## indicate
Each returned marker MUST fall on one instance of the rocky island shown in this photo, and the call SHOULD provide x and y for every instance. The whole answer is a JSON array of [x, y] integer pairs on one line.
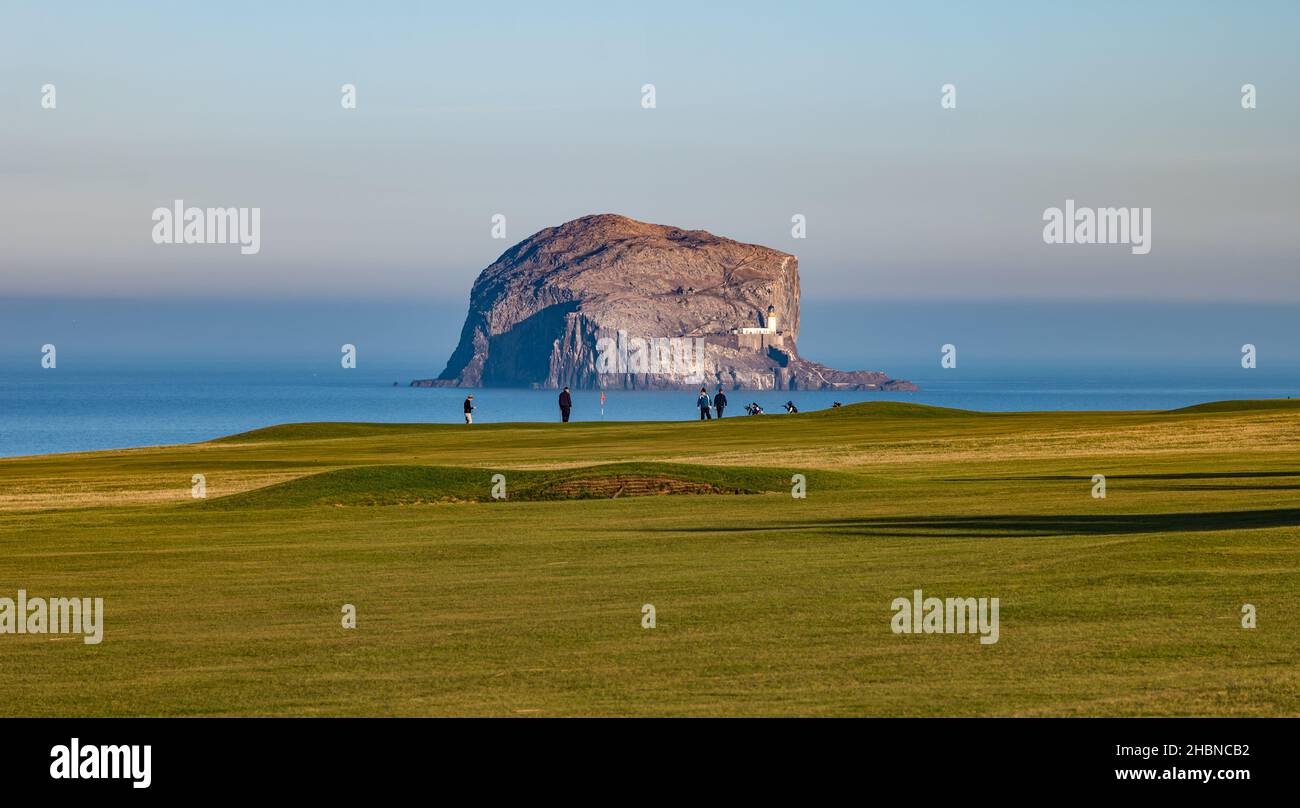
[[607, 301]]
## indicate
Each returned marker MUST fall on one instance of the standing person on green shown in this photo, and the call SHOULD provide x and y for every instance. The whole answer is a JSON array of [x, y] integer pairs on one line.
[[566, 404], [703, 403]]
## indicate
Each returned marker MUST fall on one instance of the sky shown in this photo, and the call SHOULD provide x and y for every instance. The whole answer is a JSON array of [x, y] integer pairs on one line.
[[534, 111]]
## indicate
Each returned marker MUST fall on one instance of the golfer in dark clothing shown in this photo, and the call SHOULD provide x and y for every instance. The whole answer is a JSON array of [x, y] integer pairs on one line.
[[703, 403], [566, 404], [720, 402], [469, 409]]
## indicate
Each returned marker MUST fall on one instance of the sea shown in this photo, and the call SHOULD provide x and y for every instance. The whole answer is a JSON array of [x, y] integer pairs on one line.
[[120, 404]]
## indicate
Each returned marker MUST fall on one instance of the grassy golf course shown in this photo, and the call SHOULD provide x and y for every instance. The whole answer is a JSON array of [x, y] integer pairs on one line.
[[765, 604]]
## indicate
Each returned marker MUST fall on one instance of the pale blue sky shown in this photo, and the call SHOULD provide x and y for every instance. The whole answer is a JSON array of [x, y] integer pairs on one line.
[[764, 110]]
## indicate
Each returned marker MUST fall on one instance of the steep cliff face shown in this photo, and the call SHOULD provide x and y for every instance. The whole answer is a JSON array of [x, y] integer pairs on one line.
[[609, 301]]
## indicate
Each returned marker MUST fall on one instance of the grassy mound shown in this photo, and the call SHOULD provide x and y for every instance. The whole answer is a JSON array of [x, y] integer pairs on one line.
[[1251, 405], [896, 409], [418, 484], [319, 430], [330, 430]]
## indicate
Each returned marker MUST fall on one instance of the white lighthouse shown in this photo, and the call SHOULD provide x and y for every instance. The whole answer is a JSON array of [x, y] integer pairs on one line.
[[761, 338], [769, 324]]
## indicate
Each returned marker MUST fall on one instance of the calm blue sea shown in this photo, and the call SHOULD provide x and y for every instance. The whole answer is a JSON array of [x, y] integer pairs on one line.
[[116, 405]]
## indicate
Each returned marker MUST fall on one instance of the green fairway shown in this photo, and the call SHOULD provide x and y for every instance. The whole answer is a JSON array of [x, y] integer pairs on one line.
[[765, 603]]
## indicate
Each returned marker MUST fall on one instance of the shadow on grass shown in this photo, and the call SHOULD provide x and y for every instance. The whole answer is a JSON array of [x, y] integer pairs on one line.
[[1227, 476], [1028, 526], [1222, 475]]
